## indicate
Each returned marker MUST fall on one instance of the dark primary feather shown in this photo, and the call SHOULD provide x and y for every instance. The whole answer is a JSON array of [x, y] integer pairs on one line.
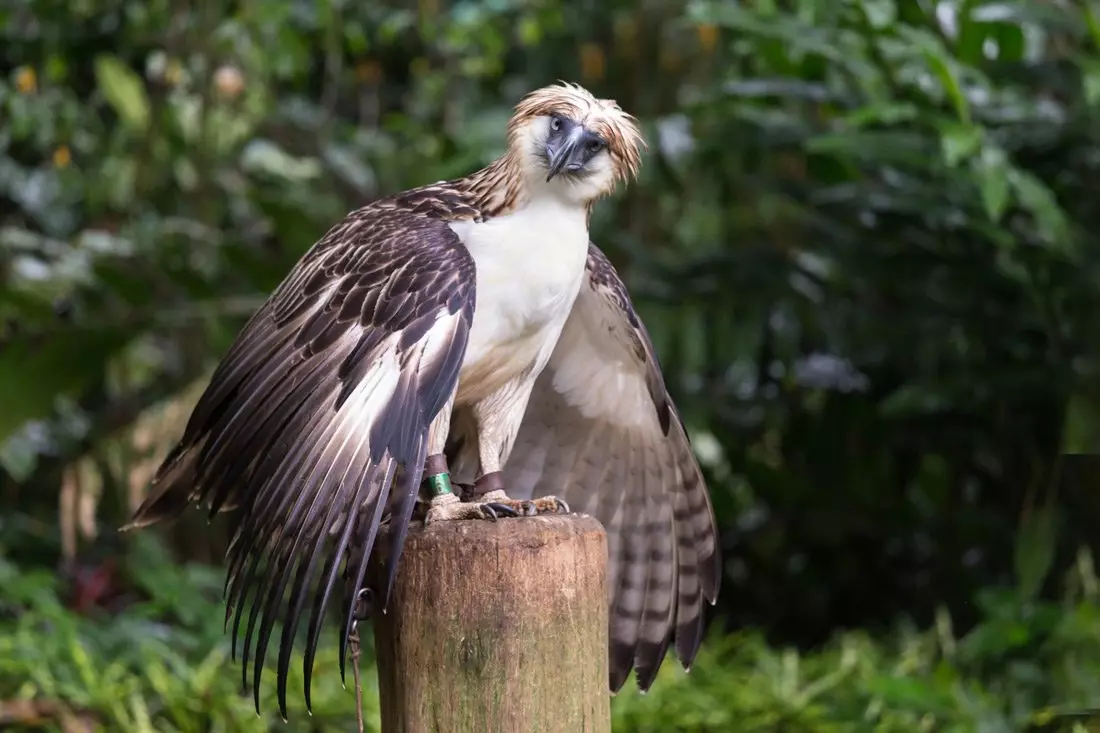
[[601, 432], [326, 393]]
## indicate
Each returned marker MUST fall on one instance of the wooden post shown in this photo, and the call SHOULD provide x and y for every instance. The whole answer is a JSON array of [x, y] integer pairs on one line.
[[497, 627]]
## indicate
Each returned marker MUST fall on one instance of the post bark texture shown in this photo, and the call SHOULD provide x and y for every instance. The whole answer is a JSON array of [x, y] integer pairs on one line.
[[497, 627]]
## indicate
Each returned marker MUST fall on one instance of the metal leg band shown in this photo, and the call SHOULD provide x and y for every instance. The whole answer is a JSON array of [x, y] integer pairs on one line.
[[438, 477], [439, 484]]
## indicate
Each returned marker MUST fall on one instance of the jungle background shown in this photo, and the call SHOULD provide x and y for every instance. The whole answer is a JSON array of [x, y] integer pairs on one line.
[[863, 242]]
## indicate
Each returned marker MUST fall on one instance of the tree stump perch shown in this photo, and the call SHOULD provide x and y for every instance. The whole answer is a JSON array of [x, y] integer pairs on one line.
[[497, 627]]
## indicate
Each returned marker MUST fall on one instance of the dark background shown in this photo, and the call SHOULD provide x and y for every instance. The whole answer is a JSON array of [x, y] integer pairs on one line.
[[863, 243]]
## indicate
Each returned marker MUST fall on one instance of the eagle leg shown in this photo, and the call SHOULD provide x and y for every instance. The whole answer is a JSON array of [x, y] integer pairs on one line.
[[488, 491], [524, 507], [491, 488], [449, 508], [444, 504], [485, 499]]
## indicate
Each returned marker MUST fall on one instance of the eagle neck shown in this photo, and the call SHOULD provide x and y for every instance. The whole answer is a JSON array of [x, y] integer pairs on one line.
[[498, 188]]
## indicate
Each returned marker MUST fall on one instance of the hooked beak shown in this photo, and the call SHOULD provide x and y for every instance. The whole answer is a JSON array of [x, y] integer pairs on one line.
[[570, 153]]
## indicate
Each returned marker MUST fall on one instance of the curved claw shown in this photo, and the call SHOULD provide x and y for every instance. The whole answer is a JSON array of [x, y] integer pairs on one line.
[[364, 602], [495, 510], [549, 505]]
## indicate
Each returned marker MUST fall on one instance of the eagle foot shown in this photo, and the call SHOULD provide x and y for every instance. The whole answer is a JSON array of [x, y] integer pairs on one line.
[[488, 491], [550, 505], [492, 506], [525, 507], [457, 510], [506, 508]]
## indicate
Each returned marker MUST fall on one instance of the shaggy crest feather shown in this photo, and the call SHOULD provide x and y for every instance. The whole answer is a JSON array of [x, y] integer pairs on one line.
[[604, 116]]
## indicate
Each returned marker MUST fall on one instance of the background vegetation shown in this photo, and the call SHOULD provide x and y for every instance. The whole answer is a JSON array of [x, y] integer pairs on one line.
[[863, 242]]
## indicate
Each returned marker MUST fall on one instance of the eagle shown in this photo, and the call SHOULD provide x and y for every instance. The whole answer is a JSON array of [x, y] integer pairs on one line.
[[463, 351]]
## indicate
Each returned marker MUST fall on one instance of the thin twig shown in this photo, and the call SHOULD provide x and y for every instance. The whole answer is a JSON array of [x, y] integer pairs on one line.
[[353, 639]]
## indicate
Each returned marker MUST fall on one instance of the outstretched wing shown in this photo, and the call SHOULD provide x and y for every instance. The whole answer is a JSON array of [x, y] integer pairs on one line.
[[321, 405], [601, 432]]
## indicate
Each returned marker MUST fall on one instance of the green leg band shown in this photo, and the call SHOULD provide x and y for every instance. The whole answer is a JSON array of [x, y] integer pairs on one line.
[[439, 484]]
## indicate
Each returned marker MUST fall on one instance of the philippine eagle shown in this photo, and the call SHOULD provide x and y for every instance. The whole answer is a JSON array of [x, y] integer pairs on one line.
[[466, 333]]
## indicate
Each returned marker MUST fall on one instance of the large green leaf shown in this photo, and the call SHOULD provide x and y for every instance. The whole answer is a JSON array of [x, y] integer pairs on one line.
[[34, 371]]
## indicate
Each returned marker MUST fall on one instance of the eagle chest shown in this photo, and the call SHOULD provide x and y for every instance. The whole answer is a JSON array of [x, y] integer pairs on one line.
[[530, 265]]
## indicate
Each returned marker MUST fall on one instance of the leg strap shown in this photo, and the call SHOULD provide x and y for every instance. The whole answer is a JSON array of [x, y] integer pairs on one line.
[[489, 482]]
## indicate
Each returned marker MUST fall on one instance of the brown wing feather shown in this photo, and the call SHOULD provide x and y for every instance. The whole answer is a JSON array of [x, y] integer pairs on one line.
[[601, 431], [325, 396]]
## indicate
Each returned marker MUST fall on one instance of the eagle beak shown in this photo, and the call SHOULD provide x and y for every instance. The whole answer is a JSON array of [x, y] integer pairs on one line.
[[570, 153]]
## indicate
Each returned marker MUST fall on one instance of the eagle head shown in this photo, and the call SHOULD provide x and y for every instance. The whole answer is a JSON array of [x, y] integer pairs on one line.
[[567, 139]]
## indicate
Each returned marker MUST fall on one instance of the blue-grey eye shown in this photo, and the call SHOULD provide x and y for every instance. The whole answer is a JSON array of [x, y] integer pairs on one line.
[[555, 123]]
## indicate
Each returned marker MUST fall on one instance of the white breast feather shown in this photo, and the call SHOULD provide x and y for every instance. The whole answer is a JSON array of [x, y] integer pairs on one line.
[[530, 265]]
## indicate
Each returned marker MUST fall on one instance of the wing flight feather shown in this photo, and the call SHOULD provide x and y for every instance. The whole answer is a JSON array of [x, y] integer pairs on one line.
[[315, 422], [601, 432]]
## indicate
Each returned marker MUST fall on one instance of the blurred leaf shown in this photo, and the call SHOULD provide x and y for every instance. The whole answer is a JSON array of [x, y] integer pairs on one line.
[[124, 91], [881, 14], [18, 457], [264, 156], [959, 141], [992, 175], [1081, 429], [32, 375], [913, 399], [1038, 199], [910, 693], [1090, 79], [1092, 22], [1035, 547], [944, 68]]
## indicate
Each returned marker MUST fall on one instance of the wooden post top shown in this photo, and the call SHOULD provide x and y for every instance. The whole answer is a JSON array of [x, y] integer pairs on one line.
[[497, 627], [522, 532]]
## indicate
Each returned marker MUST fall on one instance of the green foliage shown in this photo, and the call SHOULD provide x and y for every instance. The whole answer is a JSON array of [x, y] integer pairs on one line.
[[888, 353], [163, 664]]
